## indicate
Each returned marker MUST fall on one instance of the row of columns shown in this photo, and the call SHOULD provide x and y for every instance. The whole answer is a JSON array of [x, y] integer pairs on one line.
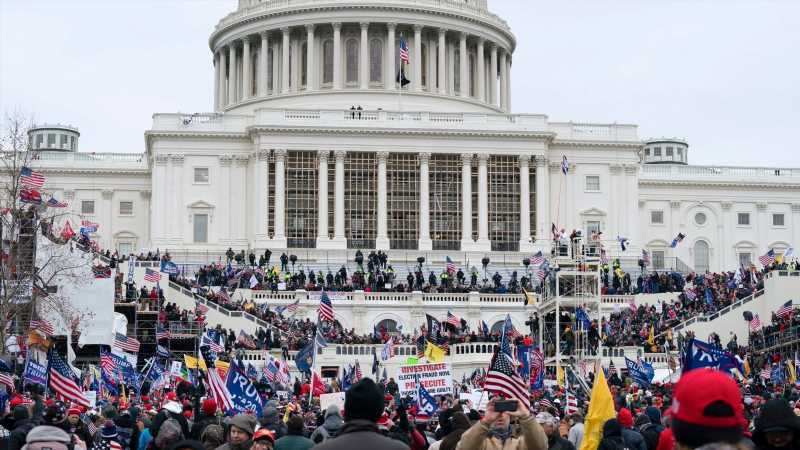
[[339, 240], [233, 83]]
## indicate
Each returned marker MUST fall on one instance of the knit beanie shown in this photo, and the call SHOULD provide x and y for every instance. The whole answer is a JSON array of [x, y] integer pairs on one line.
[[364, 400], [209, 406], [625, 418]]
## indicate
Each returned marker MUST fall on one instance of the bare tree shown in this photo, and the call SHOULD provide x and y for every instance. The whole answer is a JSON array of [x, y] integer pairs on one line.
[[36, 258]]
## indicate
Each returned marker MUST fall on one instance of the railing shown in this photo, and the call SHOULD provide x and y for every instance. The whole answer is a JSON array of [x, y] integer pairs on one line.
[[594, 132], [781, 273], [721, 173], [716, 314], [618, 299], [185, 329], [216, 307]]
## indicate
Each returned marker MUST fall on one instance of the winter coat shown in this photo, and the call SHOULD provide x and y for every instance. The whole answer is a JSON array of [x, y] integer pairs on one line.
[[556, 442], [477, 438], [18, 434], [201, 423], [330, 428], [776, 415], [293, 442], [633, 440], [272, 421], [357, 434]]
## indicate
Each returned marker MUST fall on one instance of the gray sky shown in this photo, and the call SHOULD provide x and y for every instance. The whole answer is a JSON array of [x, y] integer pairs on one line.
[[723, 74]]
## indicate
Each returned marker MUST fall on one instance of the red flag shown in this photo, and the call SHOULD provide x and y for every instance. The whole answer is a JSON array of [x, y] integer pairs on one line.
[[317, 386], [67, 232]]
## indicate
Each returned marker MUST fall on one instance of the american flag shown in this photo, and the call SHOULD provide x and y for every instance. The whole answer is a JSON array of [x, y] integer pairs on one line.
[[162, 332], [270, 371], [755, 324], [89, 224], [201, 308], [645, 257], [509, 330], [503, 379], [219, 391], [152, 276], [114, 445], [107, 363], [537, 364], [603, 256], [7, 379], [126, 343], [785, 310], [690, 293], [292, 308], [404, 51], [453, 320], [325, 308], [212, 343], [537, 259], [451, 266], [63, 382], [766, 373], [358, 374], [32, 178], [564, 165], [572, 404], [90, 426], [42, 326], [611, 369], [545, 403], [245, 340], [767, 258], [388, 350], [30, 196], [53, 203]]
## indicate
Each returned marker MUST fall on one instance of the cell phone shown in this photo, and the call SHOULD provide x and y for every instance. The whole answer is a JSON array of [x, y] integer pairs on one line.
[[506, 405]]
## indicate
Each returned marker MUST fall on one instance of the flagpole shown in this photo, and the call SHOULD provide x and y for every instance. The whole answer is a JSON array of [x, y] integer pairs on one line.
[[313, 363]]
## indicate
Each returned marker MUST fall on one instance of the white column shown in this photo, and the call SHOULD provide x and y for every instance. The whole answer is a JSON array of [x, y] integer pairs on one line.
[[481, 71], [261, 198], [391, 76], [508, 84], [363, 63], [503, 81], [263, 89], [222, 228], [338, 226], [247, 83], [337, 55], [285, 60], [425, 242], [483, 198], [223, 79], [382, 238], [159, 197], [417, 77], [525, 244], [240, 197], [322, 200], [466, 201], [215, 62], [311, 60], [280, 195], [232, 74], [542, 203], [795, 208], [442, 64], [177, 195], [493, 76], [464, 63]]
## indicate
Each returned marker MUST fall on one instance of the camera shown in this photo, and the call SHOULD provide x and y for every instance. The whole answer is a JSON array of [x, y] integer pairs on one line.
[[506, 405]]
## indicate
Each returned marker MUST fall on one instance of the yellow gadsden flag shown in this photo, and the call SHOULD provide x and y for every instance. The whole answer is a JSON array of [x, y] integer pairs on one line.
[[434, 353], [560, 376], [191, 362], [792, 371], [601, 409]]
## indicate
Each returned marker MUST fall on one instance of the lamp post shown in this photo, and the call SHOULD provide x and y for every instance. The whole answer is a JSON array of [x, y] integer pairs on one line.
[[420, 261], [293, 260], [485, 262]]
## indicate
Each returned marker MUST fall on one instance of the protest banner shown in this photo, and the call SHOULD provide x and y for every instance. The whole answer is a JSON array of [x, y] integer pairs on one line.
[[35, 373], [436, 378], [244, 395], [336, 398]]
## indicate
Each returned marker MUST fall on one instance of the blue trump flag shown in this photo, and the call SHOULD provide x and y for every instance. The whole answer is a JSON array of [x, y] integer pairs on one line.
[[523, 356], [638, 374], [169, 267], [243, 394], [698, 354], [425, 402]]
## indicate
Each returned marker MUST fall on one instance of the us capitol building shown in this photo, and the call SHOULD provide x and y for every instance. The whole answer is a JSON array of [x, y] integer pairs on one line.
[[313, 145]]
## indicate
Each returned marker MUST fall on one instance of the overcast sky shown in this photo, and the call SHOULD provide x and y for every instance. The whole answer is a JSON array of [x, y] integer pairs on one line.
[[723, 74]]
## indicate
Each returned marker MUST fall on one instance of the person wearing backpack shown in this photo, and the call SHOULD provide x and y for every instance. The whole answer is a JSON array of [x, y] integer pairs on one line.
[[630, 436], [55, 415], [651, 431], [48, 437], [172, 410], [330, 427], [207, 416]]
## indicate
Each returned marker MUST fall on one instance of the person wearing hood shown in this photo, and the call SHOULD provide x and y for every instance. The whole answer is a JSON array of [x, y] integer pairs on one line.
[[207, 416], [271, 420], [550, 426], [172, 410], [612, 436], [127, 430], [460, 424], [240, 433], [330, 427], [651, 430], [294, 439], [777, 427], [363, 406], [632, 439]]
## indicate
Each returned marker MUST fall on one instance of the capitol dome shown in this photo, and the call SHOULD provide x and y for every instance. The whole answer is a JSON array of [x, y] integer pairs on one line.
[[262, 57]]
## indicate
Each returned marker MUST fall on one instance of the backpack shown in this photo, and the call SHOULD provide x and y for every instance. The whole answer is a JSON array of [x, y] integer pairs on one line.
[[169, 433], [46, 437]]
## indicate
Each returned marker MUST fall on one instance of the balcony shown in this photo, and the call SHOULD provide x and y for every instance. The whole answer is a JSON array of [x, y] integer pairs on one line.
[[719, 174]]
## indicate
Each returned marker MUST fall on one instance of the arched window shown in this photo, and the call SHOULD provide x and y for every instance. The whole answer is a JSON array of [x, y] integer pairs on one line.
[[327, 61], [701, 256], [424, 56], [457, 71], [352, 61], [375, 61], [497, 327], [304, 64], [387, 325]]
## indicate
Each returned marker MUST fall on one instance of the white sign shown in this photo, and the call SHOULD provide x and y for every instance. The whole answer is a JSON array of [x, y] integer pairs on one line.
[[175, 370], [92, 397], [283, 395], [336, 398], [281, 286], [437, 379]]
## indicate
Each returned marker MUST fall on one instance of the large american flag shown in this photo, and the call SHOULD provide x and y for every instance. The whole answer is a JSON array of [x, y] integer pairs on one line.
[[53, 203], [767, 258], [43, 327], [7, 379], [245, 340], [451, 266], [404, 51], [152, 276], [63, 382], [358, 374], [89, 224], [785, 310], [107, 363], [388, 350], [292, 308], [212, 343], [537, 259], [755, 324], [270, 371], [126, 343], [509, 330], [219, 391], [32, 178], [503, 379], [162, 332], [453, 320], [325, 308], [766, 373]]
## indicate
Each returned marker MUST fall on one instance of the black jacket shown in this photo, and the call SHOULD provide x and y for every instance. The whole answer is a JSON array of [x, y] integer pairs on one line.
[[556, 442], [162, 416], [775, 414], [201, 423], [20, 432], [358, 434]]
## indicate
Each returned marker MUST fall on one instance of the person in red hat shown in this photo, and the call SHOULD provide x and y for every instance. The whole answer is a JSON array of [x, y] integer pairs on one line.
[[632, 439], [707, 408], [207, 416], [76, 425]]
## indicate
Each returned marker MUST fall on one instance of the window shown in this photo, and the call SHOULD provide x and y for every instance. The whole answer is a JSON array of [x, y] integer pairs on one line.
[[270, 63], [745, 258], [701, 256], [39, 140], [301, 199], [700, 218], [647, 151], [657, 259], [669, 152], [64, 141], [201, 175], [327, 62], [743, 218], [87, 207], [352, 61], [402, 179], [657, 217], [51, 139], [125, 248], [680, 154], [72, 142], [657, 151], [445, 201], [456, 71], [504, 203], [593, 183], [200, 228], [375, 61], [126, 208], [424, 68], [777, 220], [592, 226]]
